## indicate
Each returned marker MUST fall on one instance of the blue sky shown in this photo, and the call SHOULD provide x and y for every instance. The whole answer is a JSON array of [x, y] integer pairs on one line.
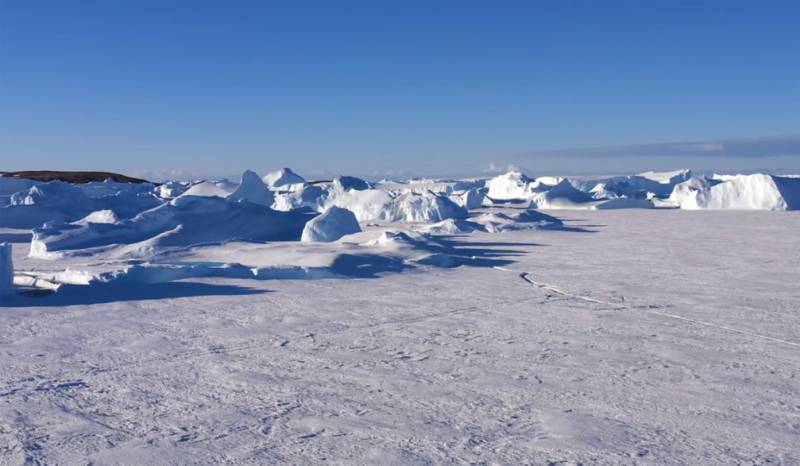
[[383, 87]]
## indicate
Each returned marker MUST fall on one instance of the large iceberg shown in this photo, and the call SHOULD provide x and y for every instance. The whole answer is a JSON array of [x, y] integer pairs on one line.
[[747, 192]]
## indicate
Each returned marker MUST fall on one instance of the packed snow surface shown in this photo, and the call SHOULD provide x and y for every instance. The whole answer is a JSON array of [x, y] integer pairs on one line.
[[330, 226], [451, 326], [628, 337]]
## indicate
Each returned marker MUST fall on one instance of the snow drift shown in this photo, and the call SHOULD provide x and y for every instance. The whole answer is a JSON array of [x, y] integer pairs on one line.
[[184, 221], [561, 196], [330, 226], [63, 202]]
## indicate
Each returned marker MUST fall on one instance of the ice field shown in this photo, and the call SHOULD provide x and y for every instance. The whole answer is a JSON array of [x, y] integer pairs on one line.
[[645, 319]]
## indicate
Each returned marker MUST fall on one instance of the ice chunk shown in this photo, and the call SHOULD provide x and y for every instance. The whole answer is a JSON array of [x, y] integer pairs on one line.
[[209, 189], [283, 179], [330, 226], [100, 216], [512, 185], [252, 189]]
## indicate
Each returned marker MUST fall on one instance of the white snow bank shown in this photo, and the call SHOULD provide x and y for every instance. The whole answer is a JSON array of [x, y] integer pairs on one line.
[[748, 192], [184, 221], [63, 202], [330, 226], [283, 179], [252, 189], [561, 196], [6, 270]]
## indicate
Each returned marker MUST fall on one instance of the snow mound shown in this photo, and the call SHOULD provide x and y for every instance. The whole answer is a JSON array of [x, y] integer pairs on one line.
[[170, 189], [449, 227], [283, 179], [63, 202], [511, 185], [52, 194], [424, 207], [6, 270], [330, 226], [182, 222], [561, 196], [497, 222], [624, 203], [390, 237], [209, 189], [748, 192], [100, 216], [252, 189]]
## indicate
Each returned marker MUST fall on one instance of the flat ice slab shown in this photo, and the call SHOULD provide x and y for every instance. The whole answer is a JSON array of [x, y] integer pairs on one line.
[[643, 336]]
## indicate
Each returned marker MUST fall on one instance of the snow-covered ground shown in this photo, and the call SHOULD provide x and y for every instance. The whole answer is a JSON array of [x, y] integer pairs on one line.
[[633, 336]]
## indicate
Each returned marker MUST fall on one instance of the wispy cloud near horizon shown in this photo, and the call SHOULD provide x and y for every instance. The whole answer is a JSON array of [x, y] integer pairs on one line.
[[768, 146]]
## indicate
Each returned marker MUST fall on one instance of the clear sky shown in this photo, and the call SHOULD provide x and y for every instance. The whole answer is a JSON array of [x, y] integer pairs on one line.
[[422, 87]]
